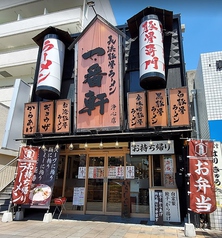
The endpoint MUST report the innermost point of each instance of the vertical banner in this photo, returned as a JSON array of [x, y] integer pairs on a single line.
[[26, 168], [46, 114], [217, 163], [30, 118], [202, 189], [179, 107], [157, 108], [44, 178], [137, 116]]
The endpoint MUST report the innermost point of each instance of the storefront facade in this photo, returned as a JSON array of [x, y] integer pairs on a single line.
[[92, 179], [120, 126]]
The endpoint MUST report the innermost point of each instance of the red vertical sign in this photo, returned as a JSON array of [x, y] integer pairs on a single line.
[[202, 189], [26, 168]]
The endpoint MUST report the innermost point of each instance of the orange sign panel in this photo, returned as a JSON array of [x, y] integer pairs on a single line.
[[137, 116], [157, 108], [62, 116], [30, 118], [46, 117], [98, 93], [179, 107]]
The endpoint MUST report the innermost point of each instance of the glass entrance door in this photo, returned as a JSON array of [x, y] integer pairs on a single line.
[[105, 177], [114, 184], [95, 193]]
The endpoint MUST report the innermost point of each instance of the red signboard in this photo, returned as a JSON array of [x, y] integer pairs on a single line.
[[202, 189], [98, 80], [26, 168]]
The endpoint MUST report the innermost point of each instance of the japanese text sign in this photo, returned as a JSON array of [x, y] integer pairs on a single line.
[[137, 116], [62, 116], [152, 148], [179, 107], [44, 178], [202, 189], [157, 108], [98, 93], [217, 164], [46, 114], [151, 46], [26, 168], [30, 118]]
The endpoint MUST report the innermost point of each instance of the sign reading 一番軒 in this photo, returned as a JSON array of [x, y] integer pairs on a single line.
[[152, 147]]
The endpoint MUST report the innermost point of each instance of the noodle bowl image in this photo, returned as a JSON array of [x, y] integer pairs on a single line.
[[40, 194]]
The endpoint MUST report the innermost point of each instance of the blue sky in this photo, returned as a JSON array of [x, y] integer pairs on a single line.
[[202, 19]]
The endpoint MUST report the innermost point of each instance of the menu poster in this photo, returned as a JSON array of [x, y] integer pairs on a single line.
[[130, 172], [112, 172], [96, 172], [168, 165], [170, 207], [78, 196], [82, 173]]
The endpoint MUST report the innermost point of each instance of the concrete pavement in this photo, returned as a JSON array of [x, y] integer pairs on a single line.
[[68, 228]]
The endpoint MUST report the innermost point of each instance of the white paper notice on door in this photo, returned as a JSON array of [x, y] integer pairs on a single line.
[[78, 196]]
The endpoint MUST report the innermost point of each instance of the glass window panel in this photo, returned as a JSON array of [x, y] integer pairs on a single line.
[[139, 185]]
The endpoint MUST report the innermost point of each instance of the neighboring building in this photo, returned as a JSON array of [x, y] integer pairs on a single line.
[[22, 20], [208, 118], [208, 84], [118, 124]]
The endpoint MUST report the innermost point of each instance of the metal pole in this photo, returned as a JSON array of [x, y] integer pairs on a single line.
[[194, 93]]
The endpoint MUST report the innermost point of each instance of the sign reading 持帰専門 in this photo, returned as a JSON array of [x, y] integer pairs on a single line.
[[98, 80]]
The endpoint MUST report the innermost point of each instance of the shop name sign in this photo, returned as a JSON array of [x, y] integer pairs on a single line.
[[152, 147]]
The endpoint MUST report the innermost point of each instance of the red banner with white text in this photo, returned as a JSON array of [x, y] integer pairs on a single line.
[[25, 170], [202, 189]]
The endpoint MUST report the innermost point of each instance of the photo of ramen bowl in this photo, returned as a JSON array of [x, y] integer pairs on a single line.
[[40, 194]]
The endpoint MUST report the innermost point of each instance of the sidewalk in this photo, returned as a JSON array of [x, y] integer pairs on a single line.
[[68, 228]]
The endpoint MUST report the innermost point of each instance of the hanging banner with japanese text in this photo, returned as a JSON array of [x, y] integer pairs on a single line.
[[98, 79], [157, 108], [25, 172], [137, 116], [202, 189], [179, 107], [217, 164], [44, 178]]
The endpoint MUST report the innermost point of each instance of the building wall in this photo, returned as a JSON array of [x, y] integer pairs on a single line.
[[20, 22], [209, 86]]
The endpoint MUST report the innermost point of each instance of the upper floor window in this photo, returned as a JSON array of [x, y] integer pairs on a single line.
[[219, 65]]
